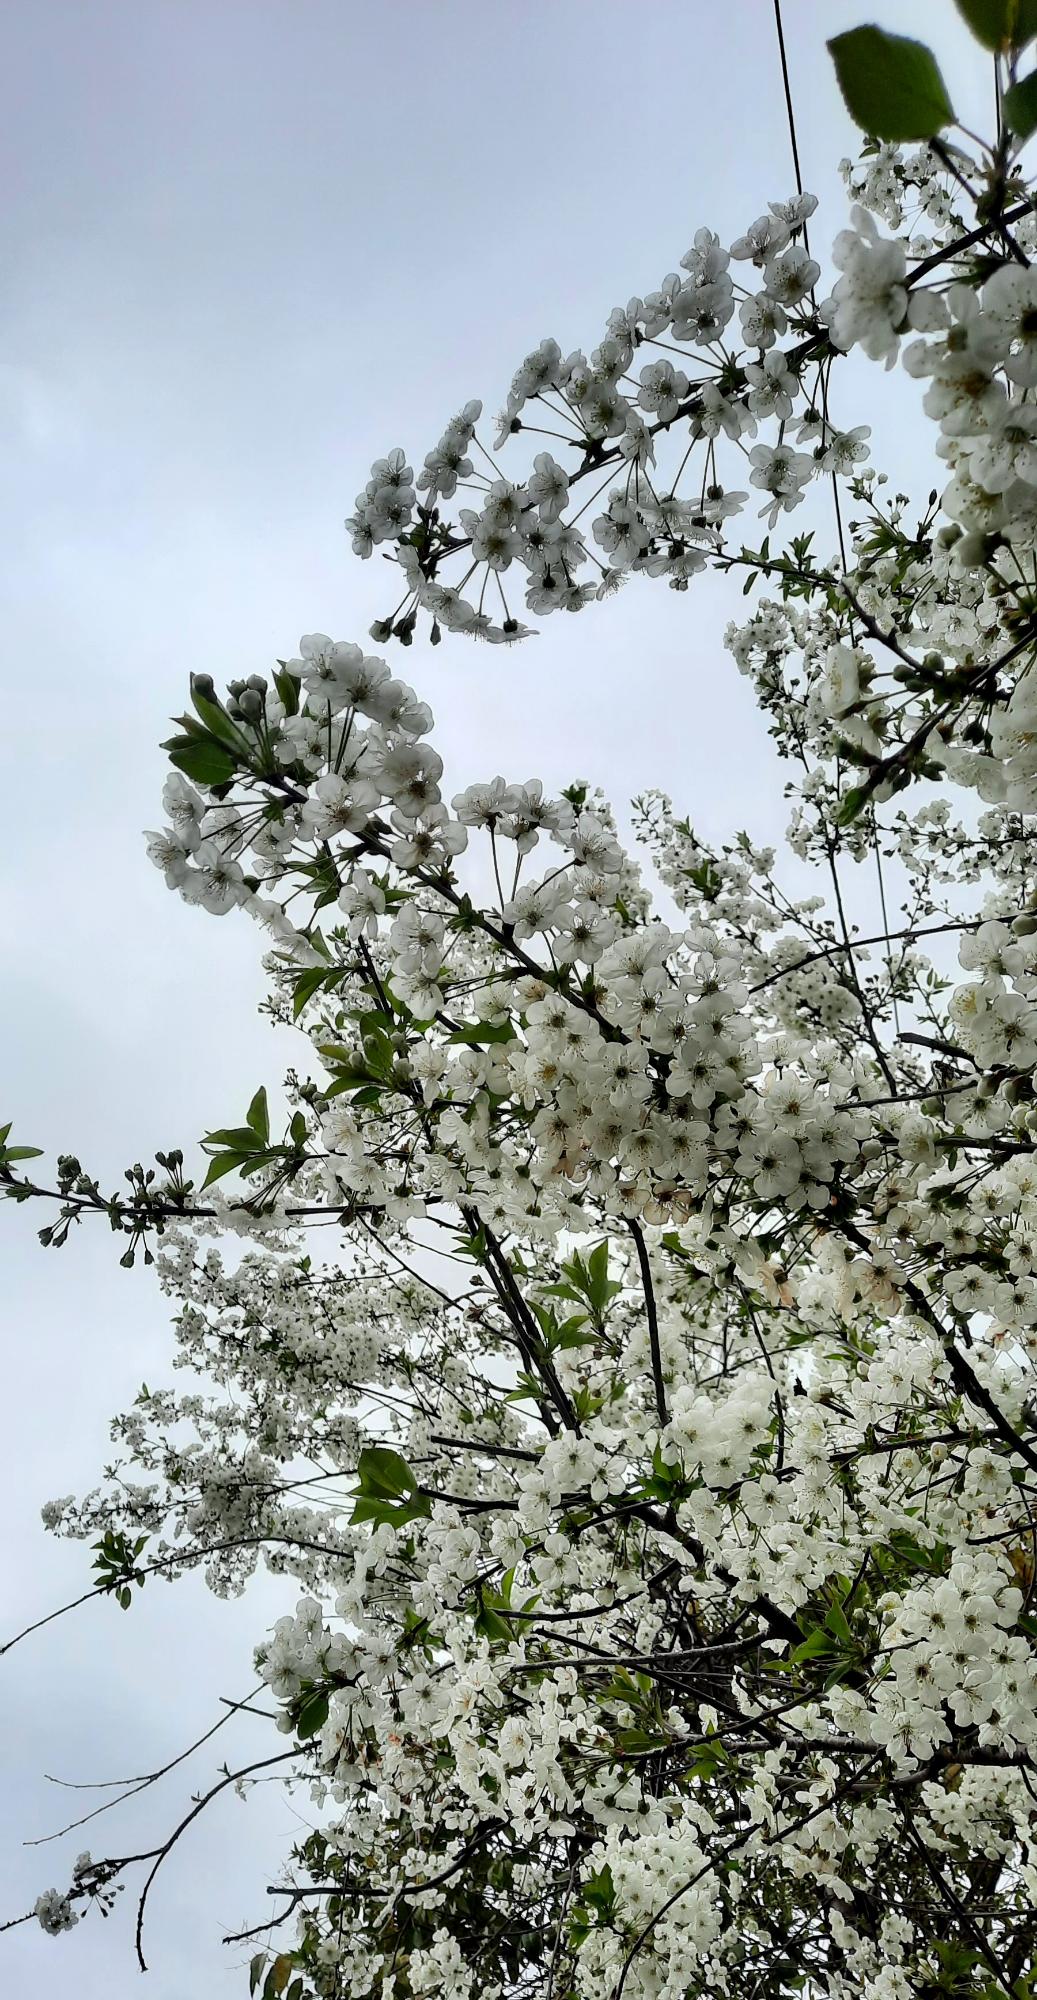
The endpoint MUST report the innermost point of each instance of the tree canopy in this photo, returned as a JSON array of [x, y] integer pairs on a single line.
[[627, 1345]]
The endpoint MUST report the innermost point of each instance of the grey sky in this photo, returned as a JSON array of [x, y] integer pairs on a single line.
[[248, 247]]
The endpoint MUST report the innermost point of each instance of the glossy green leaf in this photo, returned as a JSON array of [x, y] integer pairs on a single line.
[[389, 1513], [838, 1624], [201, 759], [216, 719], [1000, 24], [289, 689], [1020, 107], [388, 1491], [258, 1116], [310, 982], [240, 1138], [224, 1163], [384, 1475], [480, 1032], [891, 85], [816, 1644], [313, 1714], [852, 805]]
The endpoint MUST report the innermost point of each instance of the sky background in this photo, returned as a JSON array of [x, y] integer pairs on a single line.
[[248, 247]]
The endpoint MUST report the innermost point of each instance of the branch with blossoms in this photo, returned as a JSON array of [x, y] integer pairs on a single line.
[[652, 1437]]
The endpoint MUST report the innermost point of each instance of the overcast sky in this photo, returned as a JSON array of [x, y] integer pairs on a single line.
[[248, 247]]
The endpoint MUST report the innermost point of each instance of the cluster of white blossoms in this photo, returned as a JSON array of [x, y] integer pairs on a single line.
[[91, 1879], [55, 1912], [650, 1429], [686, 447]]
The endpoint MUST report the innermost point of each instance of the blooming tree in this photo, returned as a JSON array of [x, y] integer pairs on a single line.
[[649, 1431]]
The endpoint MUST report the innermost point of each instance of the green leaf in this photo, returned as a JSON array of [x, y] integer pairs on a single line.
[[385, 1513], [891, 85], [224, 1163], [852, 805], [313, 1714], [600, 1894], [588, 1282], [707, 1763], [813, 1647], [289, 688], [1020, 107], [365, 1093], [490, 1603], [579, 1929], [202, 759], [665, 1482], [258, 1116], [1000, 24], [349, 1071], [480, 1032], [637, 1741], [216, 719], [473, 1247], [310, 982], [600, 1288], [384, 1475], [491, 1626], [573, 1332], [240, 1138], [839, 1626], [388, 1491]]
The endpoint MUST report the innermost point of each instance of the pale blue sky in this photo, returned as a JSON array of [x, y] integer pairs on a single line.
[[248, 247]]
